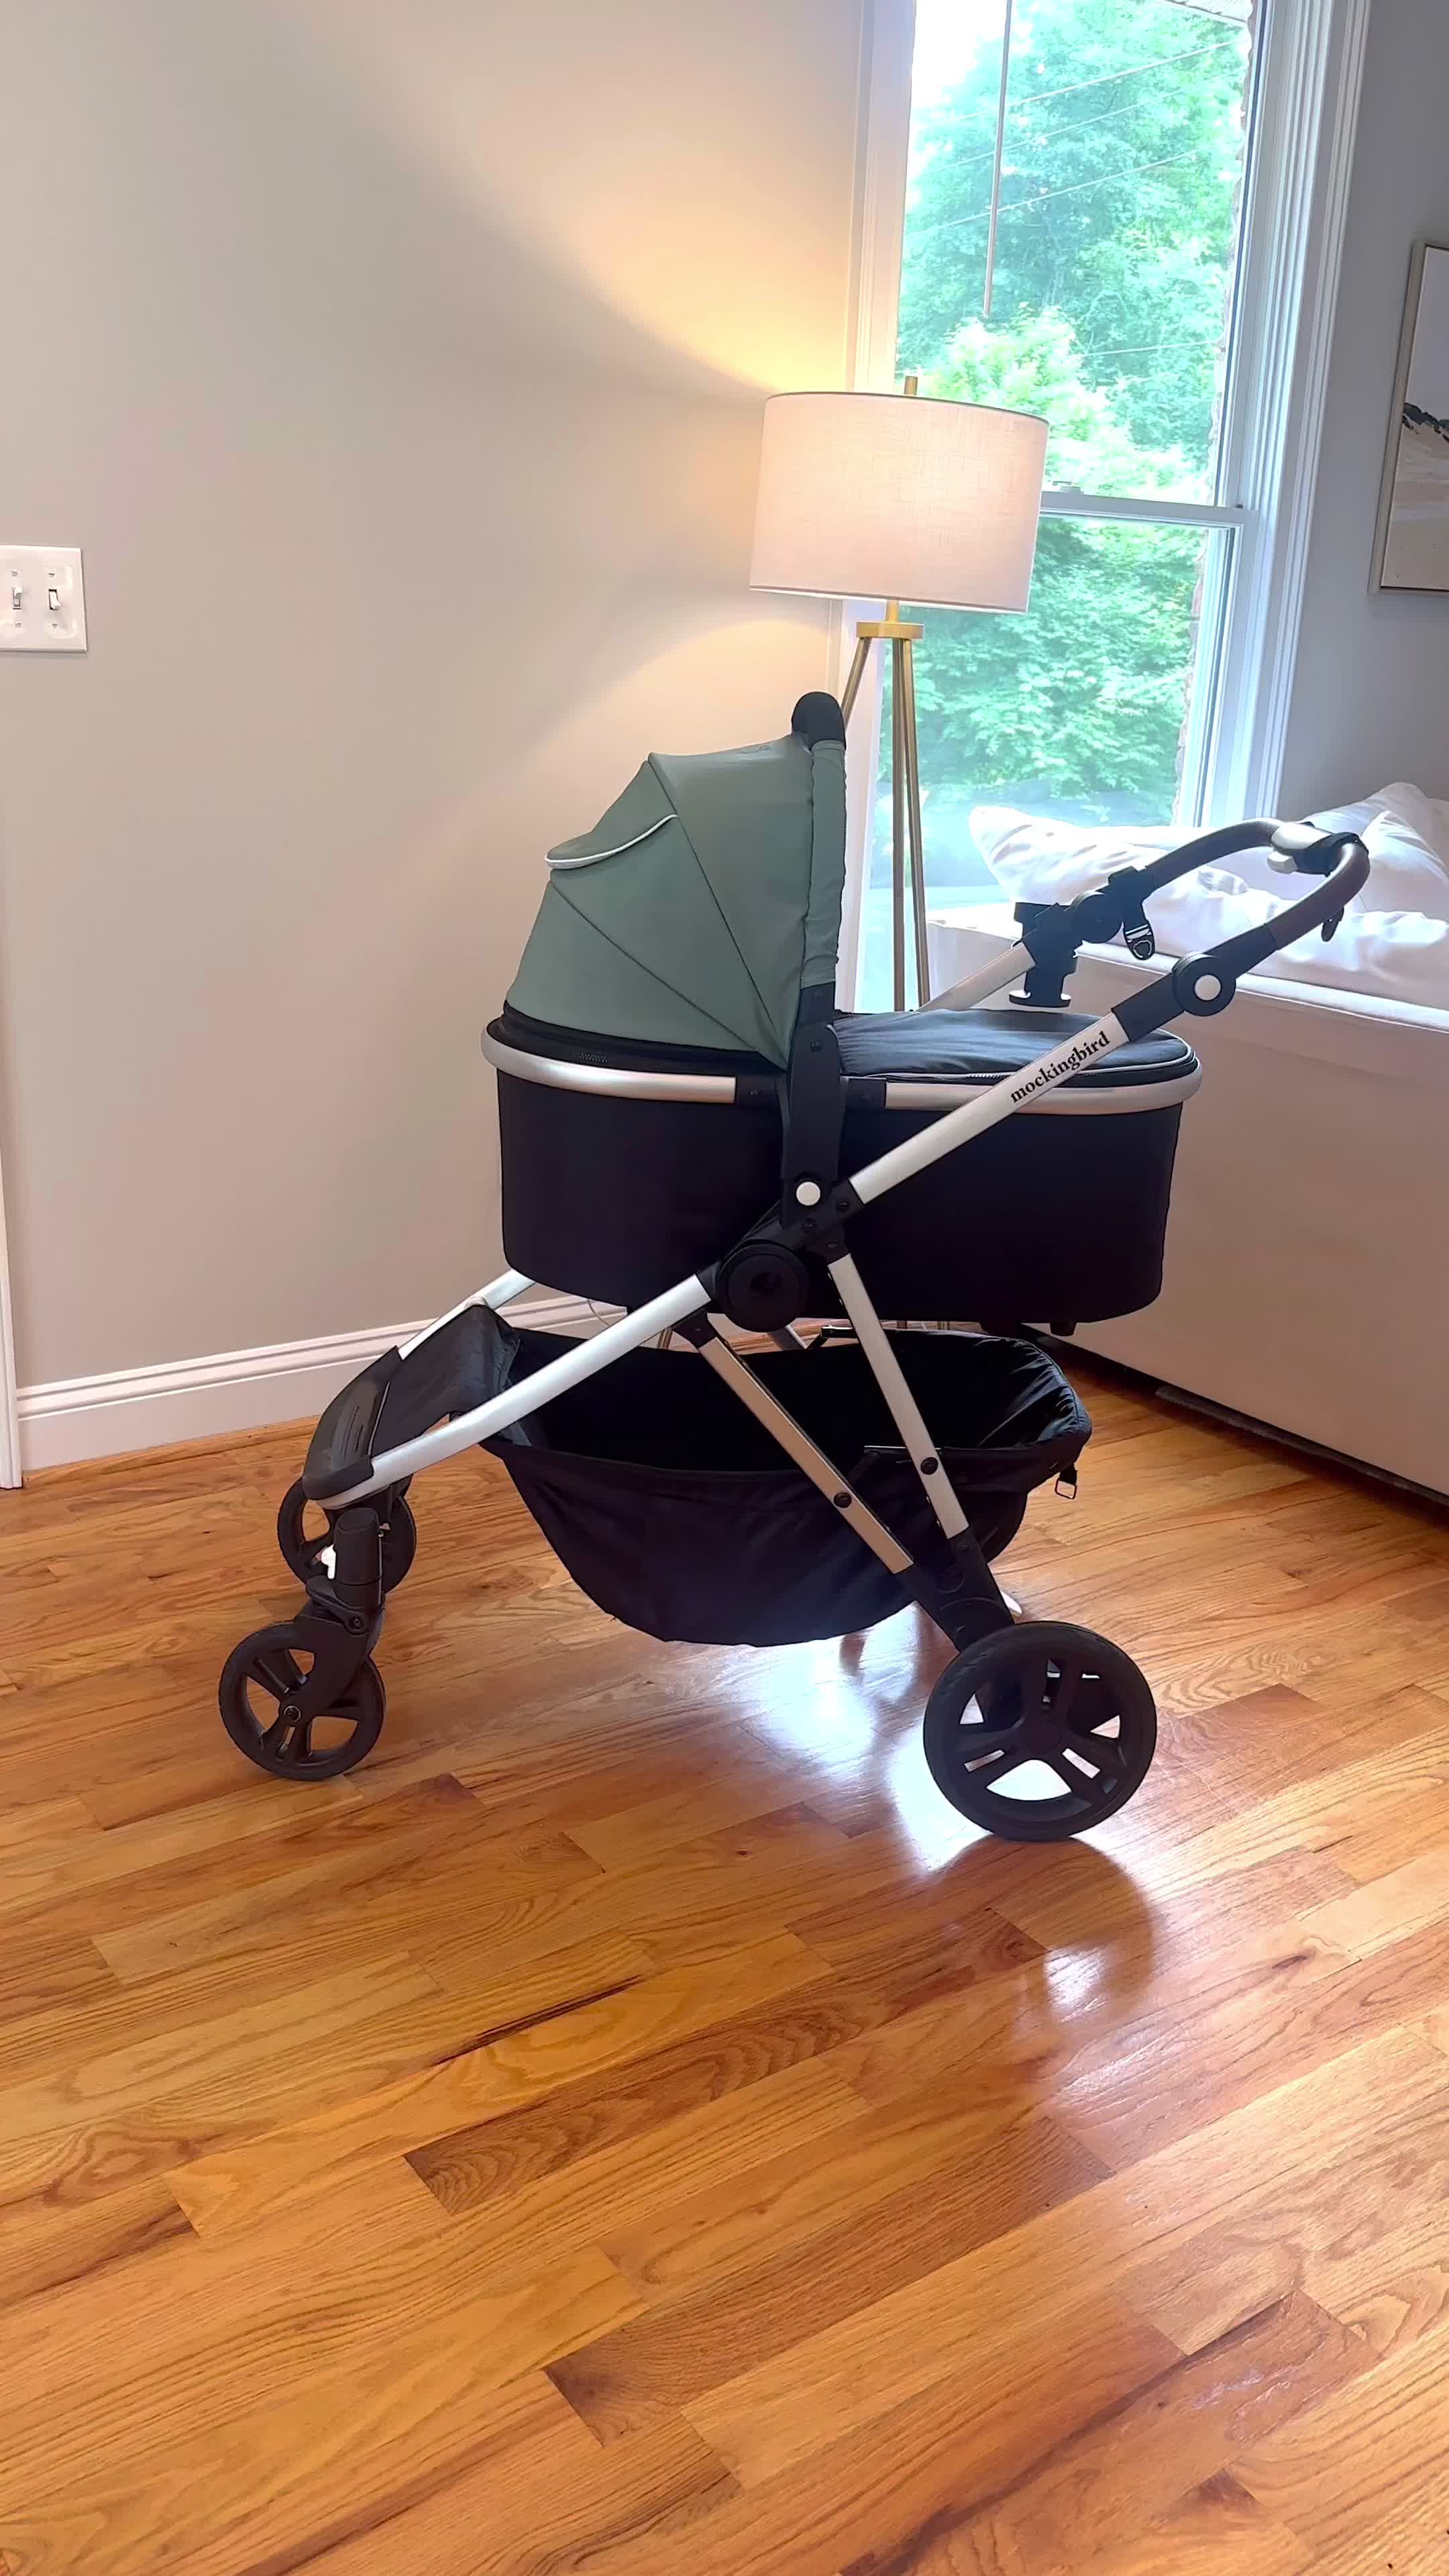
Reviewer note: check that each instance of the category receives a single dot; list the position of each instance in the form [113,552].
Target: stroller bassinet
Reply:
[692,1130]
[1061,1216]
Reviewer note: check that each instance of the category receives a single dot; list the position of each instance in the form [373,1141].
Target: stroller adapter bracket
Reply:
[814,1111]
[1050,940]
[1053,933]
[763,1283]
[762,1286]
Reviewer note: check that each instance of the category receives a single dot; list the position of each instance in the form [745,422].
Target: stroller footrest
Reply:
[341,1448]
[395,1398]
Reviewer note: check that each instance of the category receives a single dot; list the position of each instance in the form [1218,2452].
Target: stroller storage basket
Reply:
[677,1513]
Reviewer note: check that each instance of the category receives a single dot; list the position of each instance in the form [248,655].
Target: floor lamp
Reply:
[892,497]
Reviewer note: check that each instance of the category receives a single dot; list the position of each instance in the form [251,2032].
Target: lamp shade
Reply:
[893,496]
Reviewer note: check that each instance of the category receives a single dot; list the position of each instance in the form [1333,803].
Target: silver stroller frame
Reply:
[361,1488]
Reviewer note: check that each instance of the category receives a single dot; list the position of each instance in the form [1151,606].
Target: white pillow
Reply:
[1399,948]
[1403,956]
[1040,862]
[1406,834]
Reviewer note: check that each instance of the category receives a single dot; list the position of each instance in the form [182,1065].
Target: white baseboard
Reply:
[151,1408]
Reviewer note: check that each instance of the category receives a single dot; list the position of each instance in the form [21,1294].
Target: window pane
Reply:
[1077,711]
[1116,245]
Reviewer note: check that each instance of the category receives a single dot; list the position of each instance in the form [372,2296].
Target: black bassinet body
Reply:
[626,1166]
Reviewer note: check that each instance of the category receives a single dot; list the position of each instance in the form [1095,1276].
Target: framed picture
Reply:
[1412,552]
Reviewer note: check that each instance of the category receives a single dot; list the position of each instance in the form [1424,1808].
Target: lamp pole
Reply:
[902,636]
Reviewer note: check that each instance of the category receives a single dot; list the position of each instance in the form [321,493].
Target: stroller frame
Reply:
[1021,1678]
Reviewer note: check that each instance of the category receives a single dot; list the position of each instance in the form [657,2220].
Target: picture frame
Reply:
[1411,547]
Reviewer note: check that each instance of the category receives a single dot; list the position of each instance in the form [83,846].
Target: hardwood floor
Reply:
[633,2125]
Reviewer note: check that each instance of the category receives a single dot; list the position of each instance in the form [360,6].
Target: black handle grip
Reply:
[1341,863]
[1202,986]
[1299,848]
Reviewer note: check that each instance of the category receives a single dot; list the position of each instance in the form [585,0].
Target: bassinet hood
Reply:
[703,902]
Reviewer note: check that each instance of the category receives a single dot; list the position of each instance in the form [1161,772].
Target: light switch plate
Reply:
[42,600]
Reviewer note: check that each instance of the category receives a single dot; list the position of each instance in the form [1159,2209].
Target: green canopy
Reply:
[700,904]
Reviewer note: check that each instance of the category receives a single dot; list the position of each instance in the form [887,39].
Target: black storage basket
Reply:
[678,1514]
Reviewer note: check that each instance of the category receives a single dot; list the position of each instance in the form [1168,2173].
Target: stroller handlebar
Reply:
[1299,848]
[1052,933]
[1203,985]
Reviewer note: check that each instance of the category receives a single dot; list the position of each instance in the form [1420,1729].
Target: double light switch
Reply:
[42,600]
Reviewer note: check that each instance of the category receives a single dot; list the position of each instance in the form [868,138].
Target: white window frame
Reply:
[1307,83]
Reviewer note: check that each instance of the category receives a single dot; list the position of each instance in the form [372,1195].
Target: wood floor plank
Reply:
[698,1899]
[903,1934]
[1088,2249]
[245,2183]
[1217,2530]
[65,2242]
[633,2126]
[945,2141]
[872,2498]
[1096,2492]
[610,2112]
[74,2135]
[1346,2467]
[688,2343]
[1304,2008]
[729,2146]
[1329,2220]
[44,1968]
[396,1869]
[153,2310]
[1402,2530]
[644,1831]
[52,1824]
[546,2511]
[387,2404]
[1377,1912]
[37,1879]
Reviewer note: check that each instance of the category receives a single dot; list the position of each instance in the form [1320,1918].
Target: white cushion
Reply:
[1394,940]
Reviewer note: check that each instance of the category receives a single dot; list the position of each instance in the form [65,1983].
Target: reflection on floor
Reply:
[633,2125]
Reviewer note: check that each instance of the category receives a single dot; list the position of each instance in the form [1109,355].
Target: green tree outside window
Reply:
[1122,167]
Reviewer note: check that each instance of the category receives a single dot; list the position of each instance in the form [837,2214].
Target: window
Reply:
[1074,244]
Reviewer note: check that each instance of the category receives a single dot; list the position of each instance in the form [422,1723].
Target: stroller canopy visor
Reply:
[700,906]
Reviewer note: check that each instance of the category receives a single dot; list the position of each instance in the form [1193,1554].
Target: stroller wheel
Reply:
[301,1547]
[259,1684]
[1040,1731]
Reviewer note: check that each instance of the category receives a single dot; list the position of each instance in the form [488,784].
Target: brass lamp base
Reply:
[903,637]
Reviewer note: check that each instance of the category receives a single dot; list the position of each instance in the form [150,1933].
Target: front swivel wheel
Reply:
[302,1548]
[263,1706]
[1040,1731]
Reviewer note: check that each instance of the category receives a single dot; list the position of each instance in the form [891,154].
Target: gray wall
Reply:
[1371,688]
[399,369]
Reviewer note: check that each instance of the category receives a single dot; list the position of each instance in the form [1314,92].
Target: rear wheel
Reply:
[1040,1731]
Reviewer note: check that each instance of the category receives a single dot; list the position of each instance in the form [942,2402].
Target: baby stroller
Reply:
[692,1131]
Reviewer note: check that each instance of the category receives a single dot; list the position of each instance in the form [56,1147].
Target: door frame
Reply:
[9,1393]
